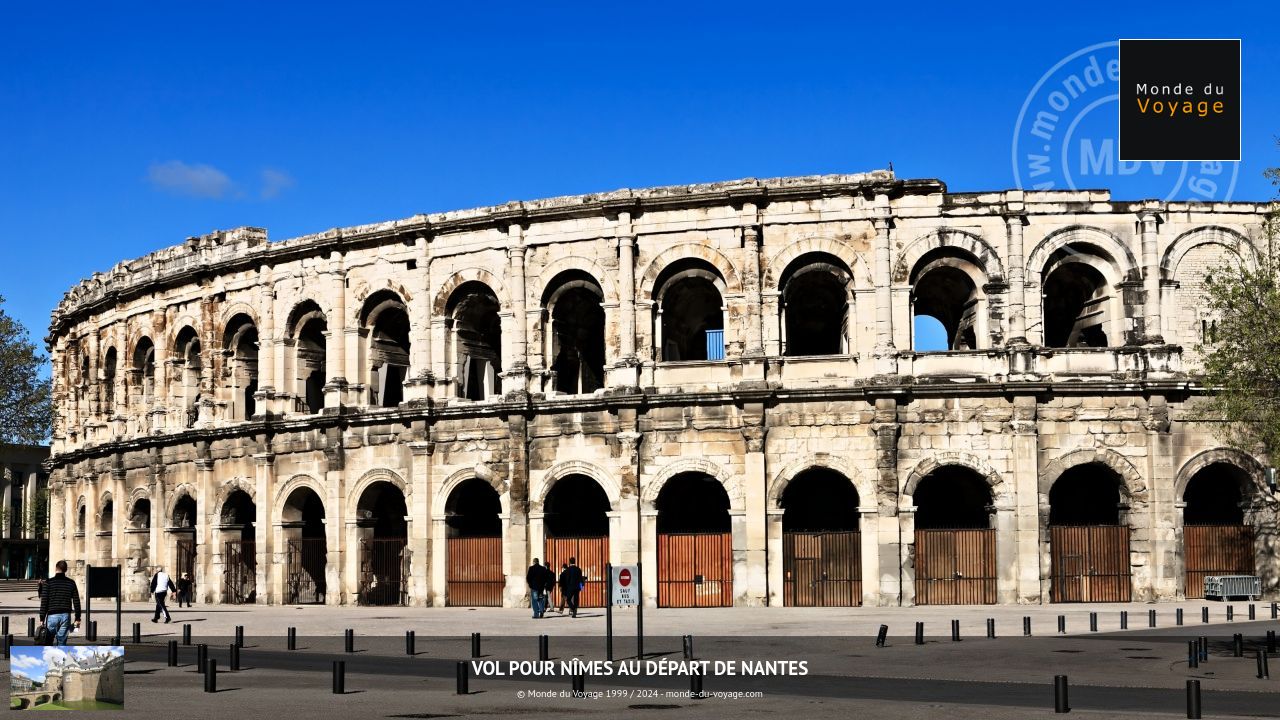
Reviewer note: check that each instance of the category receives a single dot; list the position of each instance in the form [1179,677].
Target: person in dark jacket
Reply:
[563,568]
[61,598]
[185,588]
[571,582]
[537,589]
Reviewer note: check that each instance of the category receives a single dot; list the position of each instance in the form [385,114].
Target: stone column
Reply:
[775,571]
[270,357]
[1016,305]
[517,364]
[418,384]
[886,360]
[751,286]
[208,556]
[625,545]
[157,535]
[1025,478]
[1006,525]
[57,519]
[6,501]
[1163,518]
[517,542]
[341,568]
[338,346]
[268,579]
[91,551]
[421,589]
[756,479]
[119,520]
[906,554]
[869,529]
[1149,217]
[627,293]
[892,535]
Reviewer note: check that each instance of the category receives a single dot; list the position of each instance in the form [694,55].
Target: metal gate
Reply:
[956,567]
[822,569]
[185,560]
[1090,563]
[474,576]
[239,571]
[305,581]
[1216,550]
[384,571]
[591,553]
[695,570]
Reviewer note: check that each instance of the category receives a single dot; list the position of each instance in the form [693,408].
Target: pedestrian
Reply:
[185,587]
[61,598]
[537,592]
[560,586]
[572,581]
[161,585]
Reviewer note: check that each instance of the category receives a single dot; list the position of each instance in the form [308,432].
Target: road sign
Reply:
[625,585]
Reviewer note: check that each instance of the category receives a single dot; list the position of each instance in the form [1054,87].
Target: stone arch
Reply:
[1132,487]
[816,244]
[227,488]
[177,327]
[465,275]
[1205,235]
[572,262]
[363,291]
[982,251]
[458,477]
[286,489]
[813,461]
[706,253]
[731,483]
[371,477]
[1001,491]
[560,470]
[238,307]
[1121,255]
[1242,460]
[300,310]
[171,502]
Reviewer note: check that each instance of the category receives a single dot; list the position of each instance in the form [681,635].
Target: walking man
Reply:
[537,588]
[161,585]
[60,599]
[571,582]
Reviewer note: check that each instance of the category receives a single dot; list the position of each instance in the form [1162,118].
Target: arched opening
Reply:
[695,543]
[690,306]
[816,306]
[188,368]
[240,343]
[474,574]
[576,518]
[1088,542]
[109,363]
[143,373]
[1216,539]
[821,545]
[183,530]
[955,543]
[574,329]
[385,321]
[302,522]
[137,535]
[239,548]
[946,288]
[476,332]
[382,529]
[1078,300]
[140,517]
[309,332]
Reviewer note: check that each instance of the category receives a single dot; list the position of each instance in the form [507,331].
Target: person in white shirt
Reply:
[161,585]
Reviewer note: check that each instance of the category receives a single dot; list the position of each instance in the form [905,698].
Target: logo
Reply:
[1067,138]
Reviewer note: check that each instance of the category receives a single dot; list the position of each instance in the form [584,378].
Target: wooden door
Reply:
[695,570]
[956,567]
[474,576]
[1216,550]
[822,569]
[1090,563]
[592,553]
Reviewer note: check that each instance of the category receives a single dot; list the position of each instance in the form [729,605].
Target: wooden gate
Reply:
[185,561]
[592,553]
[1090,563]
[239,571]
[1216,550]
[474,576]
[822,569]
[956,567]
[695,570]
[384,571]
[305,581]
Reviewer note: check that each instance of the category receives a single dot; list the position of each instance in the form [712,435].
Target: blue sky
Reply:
[34,661]
[125,128]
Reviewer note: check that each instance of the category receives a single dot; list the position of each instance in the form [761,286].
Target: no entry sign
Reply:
[625,579]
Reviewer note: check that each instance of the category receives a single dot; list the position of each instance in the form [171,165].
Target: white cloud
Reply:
[24,661]
[197,180]
[274,182]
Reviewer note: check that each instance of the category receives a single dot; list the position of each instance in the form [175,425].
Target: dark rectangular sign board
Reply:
[102,582]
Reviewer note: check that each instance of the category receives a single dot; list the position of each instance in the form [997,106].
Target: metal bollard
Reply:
[955,631]
[544,647]
[1179,616]
[173,653]
[475,645]
[464,675]
[1026,625]
[1275,610]
[239,636]
[1237,645]
[339,677]
[1193,698]
[991,627]
[1231,613]
[1253,612]
[1062,624]
[202,657]
[1151,618]
[686,644]
[186,634]
[293,638]
[91,632]
[1204,649]
[1193,654]
[1093,622]
[1271,642]
[880,636]
[137,633]
[349,640]
[211,676]
[1204,614]
[695,684]
[31,627]
[4,625]
[1124,619]
[410,640]
[919,633]
[1060,704]
[8,643]
[233,662]
[1263,671]
[579,683]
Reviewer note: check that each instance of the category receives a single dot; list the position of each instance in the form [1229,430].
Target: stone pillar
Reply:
[886,360]
[775,572]
[6,501]
[91,551]
[1149,218]
[869,529]
[1025,478]
[517,362]
[158,539]
[270,349]
[119,520]
[627,294]
[420,379]
[57,519]
[892,535]
[338,346]
[341,568]
[756,585]
[208,553]
[269,579]
[1006,525]
[1163,518]
[1016,305]
[625,545]
[517,537]
[751,286]
[421,560]
[906,554]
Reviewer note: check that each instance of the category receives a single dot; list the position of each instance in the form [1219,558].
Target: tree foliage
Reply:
[26,409]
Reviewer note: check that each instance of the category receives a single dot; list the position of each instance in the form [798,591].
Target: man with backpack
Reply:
[162,585]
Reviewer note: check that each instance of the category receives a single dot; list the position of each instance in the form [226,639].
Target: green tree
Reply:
[1242,353]
[26,410]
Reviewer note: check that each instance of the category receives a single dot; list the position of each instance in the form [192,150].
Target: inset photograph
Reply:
[67,677]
